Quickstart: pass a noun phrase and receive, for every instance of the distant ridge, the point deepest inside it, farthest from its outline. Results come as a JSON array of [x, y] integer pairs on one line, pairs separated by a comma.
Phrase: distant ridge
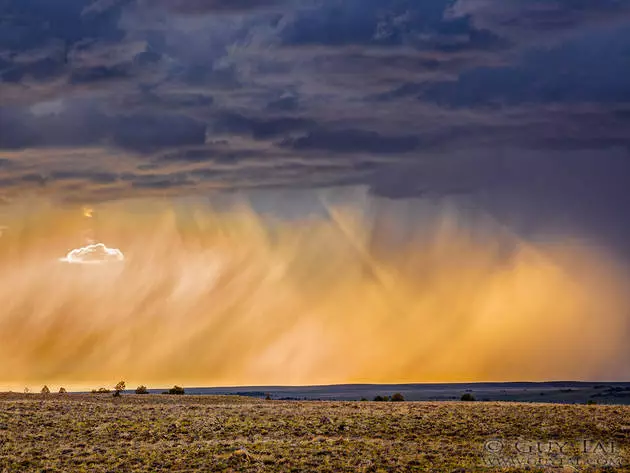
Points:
[[521, 391]]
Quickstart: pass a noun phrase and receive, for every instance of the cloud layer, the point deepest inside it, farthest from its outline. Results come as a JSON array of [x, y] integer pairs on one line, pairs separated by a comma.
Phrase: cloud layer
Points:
[[103, 99]]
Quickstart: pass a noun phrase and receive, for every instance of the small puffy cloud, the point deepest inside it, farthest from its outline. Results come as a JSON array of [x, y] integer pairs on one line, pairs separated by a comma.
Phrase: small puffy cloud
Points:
[[94, 254]]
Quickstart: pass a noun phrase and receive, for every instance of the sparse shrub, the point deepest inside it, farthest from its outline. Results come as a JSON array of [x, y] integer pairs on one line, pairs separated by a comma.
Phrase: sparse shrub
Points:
[[591, 402], [379, 398], [398, 397], [45, 390], [26, 390], [101, 391], [119, 388], [176, 390], [142, 390], [268, 397], [364, 399], [467, 397], [62, 390]]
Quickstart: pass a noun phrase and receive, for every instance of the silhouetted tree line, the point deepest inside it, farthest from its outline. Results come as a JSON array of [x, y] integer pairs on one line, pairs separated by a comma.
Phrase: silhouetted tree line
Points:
[[46, 390], [397, 397], [142, 389]]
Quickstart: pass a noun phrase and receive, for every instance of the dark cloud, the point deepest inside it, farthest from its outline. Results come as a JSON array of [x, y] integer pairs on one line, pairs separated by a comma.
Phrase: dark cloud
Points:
[[52, 49], [260, 128], [409, 97], [162, 182], [21, 129], [29, 24], [353, 141], [526, 17], [577, 193], [212, 6], [151, 132], [99, 73], [211, 153], [585, 70], [371, 22], [83, 127], [97, 177], [289, 103]]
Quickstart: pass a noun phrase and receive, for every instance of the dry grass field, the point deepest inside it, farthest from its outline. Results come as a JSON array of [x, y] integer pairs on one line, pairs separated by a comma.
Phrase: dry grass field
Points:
[[160, 433]]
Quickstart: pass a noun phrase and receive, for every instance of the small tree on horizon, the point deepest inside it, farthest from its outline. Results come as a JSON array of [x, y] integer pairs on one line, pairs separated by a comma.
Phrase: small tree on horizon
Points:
[[142, 390], [398, 397], [45, 390], [119, 388], [176, 390], [62, 390], [467, 397]]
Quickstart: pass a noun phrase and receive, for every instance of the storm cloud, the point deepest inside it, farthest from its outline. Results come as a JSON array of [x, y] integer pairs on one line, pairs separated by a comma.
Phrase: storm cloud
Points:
[[440, 97]]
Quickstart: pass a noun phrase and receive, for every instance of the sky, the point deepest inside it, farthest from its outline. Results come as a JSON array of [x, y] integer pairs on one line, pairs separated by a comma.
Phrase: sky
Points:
[[518, 109], [102, 99]]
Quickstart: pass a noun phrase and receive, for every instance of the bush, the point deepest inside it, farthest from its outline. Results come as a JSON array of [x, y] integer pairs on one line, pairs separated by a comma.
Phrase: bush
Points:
[[119, 387], [62, 391], [142, 390], [364, 399], [398, 397], [591, 402], [45, 390], [467, 397], [379, 399], [176, 390]]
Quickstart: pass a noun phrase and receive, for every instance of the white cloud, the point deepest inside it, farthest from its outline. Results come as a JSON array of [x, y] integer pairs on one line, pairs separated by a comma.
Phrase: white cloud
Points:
[[94, 254]]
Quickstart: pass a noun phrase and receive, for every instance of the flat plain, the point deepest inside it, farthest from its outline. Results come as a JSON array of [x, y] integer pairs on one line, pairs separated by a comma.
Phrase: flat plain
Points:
[[160, 433]]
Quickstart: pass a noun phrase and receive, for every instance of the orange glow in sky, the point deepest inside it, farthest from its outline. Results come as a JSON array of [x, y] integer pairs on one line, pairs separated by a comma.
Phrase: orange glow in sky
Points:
[[233, 298]]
